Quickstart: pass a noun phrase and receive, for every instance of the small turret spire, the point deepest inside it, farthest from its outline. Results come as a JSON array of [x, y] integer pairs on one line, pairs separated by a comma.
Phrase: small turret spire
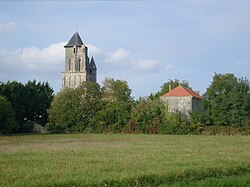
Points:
[[92, 64]]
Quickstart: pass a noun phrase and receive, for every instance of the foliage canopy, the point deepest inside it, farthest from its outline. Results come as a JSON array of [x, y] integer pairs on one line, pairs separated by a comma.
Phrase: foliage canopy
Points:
[[30, 101], [110, 108], [227, 100], [116, 90], [7, 117], [73, 109]]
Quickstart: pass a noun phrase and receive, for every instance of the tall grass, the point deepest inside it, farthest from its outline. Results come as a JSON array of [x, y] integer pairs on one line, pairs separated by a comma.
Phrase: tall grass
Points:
[[124, 160]]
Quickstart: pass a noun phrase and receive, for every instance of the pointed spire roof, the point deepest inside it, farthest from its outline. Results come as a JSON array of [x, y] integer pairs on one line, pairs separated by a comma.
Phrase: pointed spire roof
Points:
[[92, 63], [181, 91], [75, 40]]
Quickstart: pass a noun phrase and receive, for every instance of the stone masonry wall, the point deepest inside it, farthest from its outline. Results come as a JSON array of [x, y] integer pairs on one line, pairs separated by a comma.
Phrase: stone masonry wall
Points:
[[73, 79], [181, 104]]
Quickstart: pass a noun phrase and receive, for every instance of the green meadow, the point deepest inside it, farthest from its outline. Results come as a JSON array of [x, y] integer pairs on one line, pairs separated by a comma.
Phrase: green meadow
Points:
[[124, 160]]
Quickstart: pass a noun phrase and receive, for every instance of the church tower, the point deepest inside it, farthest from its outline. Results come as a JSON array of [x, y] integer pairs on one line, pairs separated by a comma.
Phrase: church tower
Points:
[[77, 66]]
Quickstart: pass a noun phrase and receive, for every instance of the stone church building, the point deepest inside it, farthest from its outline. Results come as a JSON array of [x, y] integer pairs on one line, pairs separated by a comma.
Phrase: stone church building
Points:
[[183, 100], [78, 67]]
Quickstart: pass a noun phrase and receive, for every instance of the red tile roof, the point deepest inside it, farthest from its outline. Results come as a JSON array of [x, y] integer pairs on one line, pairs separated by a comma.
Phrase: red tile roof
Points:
[[181, 91]]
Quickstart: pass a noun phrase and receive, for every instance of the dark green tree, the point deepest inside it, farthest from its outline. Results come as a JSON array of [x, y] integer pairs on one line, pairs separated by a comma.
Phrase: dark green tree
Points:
[[38, 99], [30, 101], [73, 109], [14, 92], [228, 100], [8, 123]]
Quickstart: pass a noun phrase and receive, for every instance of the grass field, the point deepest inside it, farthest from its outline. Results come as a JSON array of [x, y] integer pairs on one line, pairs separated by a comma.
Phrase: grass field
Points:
[[124, 160]]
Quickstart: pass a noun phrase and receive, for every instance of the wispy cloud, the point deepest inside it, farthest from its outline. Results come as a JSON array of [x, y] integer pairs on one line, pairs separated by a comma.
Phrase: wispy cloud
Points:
[[45, 62], [53, 54], [242, 62], [7, 27], [148, 64], [169, 67], [94, 50], [195, 50], [118, 55]]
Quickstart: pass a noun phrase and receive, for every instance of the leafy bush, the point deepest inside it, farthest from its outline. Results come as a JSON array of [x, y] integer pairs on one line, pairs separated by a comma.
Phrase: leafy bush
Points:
[[112, 118], [226, 130], [146, 116], [178, 123]]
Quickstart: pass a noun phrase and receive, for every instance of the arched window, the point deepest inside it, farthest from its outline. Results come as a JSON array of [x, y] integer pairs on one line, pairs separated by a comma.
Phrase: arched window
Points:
[[70, 65], [79, 64]]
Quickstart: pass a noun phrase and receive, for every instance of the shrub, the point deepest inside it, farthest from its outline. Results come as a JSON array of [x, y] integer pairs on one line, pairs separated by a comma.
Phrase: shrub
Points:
[[146, 116]]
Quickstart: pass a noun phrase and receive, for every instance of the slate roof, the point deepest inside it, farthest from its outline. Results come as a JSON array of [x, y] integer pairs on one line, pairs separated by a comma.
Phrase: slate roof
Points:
[[75, 40], [181, 91], [92, 63]]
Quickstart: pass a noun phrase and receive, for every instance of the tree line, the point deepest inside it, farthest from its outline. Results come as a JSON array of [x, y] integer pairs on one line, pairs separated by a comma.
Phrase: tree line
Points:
[[21, 104], [110, 108]]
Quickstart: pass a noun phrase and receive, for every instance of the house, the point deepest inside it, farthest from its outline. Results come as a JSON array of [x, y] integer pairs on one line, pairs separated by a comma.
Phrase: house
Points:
[[182, 99]]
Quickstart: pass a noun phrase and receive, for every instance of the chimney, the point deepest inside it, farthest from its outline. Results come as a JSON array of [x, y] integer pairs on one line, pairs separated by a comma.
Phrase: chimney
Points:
[[169, 88]]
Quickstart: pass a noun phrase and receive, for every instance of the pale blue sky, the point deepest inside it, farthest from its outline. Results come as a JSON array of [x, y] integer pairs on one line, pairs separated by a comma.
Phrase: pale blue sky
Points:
[[145, 43]]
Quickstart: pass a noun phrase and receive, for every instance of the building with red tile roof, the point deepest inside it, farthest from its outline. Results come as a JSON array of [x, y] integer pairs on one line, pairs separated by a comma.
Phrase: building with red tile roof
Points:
[[182, 99]]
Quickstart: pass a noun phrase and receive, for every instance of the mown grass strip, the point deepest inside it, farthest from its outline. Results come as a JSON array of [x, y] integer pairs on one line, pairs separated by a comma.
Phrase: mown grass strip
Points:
[[187, 176], [123, 160]]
